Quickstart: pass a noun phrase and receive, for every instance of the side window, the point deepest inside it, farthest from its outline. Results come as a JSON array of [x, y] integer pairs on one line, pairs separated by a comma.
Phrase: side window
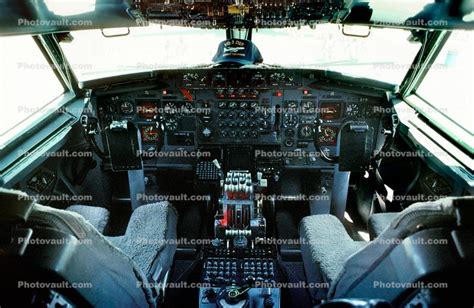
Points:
[[449, 84], [28, 86]]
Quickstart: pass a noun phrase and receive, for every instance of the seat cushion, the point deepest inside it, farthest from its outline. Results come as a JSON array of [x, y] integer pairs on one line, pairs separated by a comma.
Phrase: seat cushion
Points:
[[151, 231], [96, 216], [96, 261], [376, 263], [379, 222], [325, 245]]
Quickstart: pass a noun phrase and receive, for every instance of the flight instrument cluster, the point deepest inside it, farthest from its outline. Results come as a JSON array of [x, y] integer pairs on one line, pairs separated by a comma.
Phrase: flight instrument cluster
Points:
[[293, 111]]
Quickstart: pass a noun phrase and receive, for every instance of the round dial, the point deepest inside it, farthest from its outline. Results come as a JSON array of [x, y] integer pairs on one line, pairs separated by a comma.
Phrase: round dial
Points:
[[289, 142], [171, 108], [352, 110], [290, 132], [171, 124], [126, 107], [150, 133], [187, 109], [290, 120], [194, 78], [276, 78], [190, 77], [292, 105], [306, 131], [147, 110], [308, 107], [328, 135]]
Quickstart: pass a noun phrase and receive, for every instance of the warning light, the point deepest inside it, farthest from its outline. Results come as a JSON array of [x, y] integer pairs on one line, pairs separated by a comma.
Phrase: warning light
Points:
[[306, 92], [278, 94]]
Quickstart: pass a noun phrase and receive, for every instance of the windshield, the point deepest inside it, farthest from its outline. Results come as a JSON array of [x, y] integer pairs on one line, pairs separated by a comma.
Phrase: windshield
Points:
[[385, 55]]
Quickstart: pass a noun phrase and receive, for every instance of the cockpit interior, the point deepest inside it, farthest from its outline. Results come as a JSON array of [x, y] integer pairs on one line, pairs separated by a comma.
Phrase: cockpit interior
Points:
[[236, 154]]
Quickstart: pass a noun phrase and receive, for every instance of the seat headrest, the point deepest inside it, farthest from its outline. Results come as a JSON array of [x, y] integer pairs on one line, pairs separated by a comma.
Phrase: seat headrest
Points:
[[433, 214], [15, 206]]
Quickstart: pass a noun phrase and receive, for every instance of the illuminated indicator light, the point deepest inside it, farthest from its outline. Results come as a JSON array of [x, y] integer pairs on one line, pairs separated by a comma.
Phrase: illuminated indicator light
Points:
[[306, 92], [224, 220], [279, 94], [165, 92], [187, 94]]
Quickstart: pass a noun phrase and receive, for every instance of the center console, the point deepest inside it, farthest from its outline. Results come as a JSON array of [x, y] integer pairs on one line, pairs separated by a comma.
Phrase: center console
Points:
[[240, 271]]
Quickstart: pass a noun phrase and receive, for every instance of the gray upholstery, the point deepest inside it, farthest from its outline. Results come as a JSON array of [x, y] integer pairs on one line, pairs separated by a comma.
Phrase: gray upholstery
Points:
[[146, 235], [418, 216], [325, 246], [350, 268], [96, 216], [119, 268], [379, 222]]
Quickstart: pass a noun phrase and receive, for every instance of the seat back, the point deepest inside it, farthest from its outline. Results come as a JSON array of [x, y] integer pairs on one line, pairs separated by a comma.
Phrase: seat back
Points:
[[49, 255], [428, 242]]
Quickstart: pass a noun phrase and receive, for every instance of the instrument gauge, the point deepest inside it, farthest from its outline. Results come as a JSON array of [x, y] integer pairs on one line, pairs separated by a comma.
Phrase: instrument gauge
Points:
[[190, 77], [147, 110], [150, 133], [290, 132], [328, 135], [187, 109], [276, 78], [330, 110], [292, 105], [171, 124], [306, 131], [194, 78], [353, 110], [171, 108], [308, 107], [290, 120], [126, 107]]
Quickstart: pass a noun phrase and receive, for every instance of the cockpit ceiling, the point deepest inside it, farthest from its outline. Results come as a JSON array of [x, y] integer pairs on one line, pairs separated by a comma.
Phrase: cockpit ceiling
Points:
[[42, 16]]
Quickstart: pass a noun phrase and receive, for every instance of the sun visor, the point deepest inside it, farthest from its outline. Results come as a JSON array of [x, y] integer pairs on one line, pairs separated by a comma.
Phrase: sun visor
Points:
[[49, 16]]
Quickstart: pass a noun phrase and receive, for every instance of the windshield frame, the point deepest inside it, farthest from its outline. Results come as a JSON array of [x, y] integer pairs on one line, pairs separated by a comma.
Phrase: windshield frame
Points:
[[330, 66]]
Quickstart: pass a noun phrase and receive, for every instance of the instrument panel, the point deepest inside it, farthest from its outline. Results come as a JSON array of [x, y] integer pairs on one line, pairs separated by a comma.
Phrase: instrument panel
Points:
[[290, 110]]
